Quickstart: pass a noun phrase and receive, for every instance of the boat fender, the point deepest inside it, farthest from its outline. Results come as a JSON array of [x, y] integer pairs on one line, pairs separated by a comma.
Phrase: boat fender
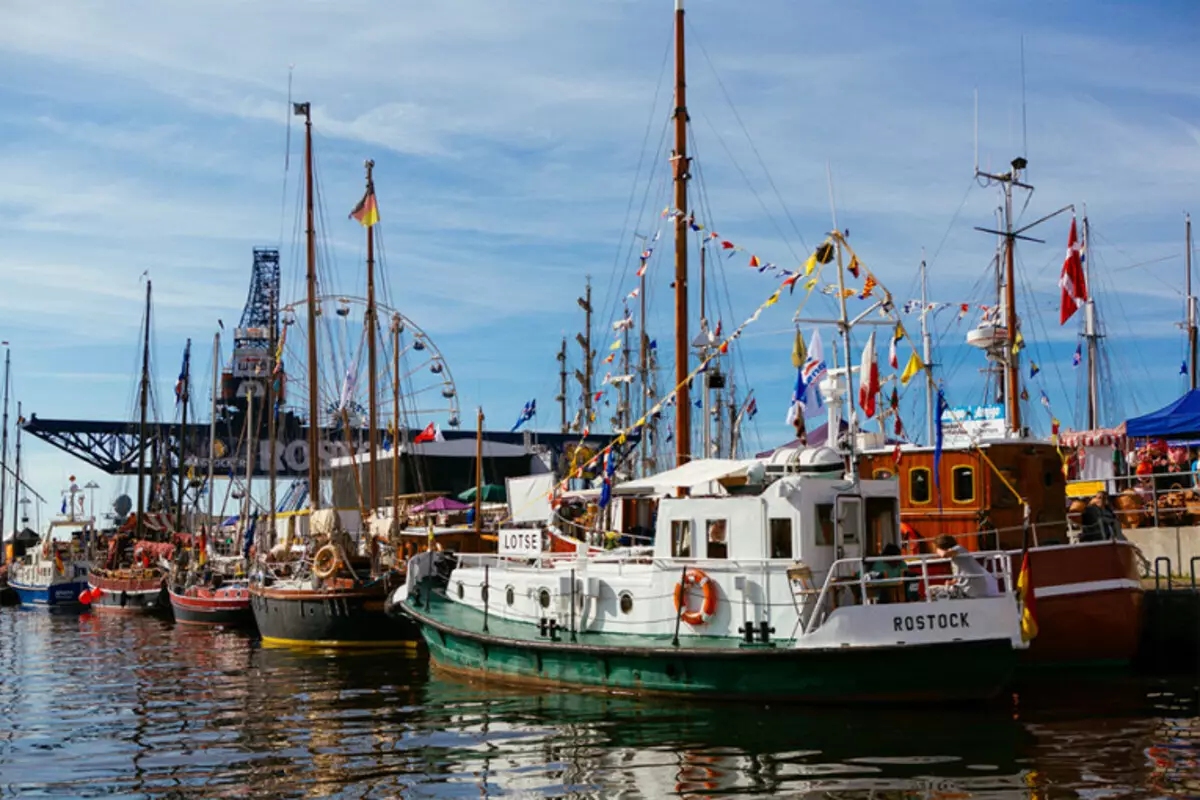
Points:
[[696, 577], [326, 562]]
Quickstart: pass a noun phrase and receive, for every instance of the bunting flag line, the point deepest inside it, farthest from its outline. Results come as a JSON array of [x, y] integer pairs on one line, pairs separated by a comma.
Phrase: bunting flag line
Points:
[[913, 366], [1033, 370], [868, 375], [868, 287], [893, 359], [527, 413], [1078, 357]]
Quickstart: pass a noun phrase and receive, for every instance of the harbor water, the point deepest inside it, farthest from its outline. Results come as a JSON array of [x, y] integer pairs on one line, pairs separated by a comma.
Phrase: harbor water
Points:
[[110, 706]]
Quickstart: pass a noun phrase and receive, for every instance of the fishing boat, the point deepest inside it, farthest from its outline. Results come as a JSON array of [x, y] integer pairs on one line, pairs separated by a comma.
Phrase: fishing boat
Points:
[[54, 572], [992, 475], [332, 593], [129, 576], [766, 579]]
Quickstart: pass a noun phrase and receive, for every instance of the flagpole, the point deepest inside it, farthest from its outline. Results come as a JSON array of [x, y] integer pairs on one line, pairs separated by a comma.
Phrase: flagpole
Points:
[[927, 353], [212, 430], [4, 449], [314, 455], [1191, 310]]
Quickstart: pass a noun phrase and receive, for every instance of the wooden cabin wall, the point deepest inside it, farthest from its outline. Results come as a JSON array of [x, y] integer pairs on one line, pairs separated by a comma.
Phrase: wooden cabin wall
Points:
[[987, 516]]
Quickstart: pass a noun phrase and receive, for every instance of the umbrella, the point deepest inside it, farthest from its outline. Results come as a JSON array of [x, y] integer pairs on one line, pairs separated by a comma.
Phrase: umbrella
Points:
[[491, 494], [440, 504]]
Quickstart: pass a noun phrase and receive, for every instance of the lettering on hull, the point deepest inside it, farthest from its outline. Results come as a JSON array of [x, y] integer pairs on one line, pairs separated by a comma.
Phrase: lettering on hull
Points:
[[931, 622]]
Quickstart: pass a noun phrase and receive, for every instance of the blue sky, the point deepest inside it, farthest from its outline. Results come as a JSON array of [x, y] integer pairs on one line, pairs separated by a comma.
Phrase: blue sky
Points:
[[507, 138]]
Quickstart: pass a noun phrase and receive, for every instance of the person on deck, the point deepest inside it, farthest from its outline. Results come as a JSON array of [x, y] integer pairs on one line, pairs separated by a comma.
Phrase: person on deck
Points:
[[970, 578]]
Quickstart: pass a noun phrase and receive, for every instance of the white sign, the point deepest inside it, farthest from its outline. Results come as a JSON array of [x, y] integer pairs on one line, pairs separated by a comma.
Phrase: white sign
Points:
[[963, 425], [520, 542]]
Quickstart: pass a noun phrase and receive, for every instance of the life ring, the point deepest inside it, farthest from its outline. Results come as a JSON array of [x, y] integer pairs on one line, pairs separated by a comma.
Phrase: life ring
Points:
[[326, 562], [696, 577]]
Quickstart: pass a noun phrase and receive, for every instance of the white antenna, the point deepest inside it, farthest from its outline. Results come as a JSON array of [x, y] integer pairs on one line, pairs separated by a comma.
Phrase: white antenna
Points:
[[1024, 130], [832, 201]]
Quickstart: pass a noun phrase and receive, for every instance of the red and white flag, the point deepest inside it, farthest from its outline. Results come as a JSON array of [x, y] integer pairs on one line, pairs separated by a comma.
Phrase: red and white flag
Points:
[[430, 434], [868, 375], [1072, 281]]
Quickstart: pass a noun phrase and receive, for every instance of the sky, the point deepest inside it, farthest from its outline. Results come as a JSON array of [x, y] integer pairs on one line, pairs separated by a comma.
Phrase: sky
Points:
[[519, 150]]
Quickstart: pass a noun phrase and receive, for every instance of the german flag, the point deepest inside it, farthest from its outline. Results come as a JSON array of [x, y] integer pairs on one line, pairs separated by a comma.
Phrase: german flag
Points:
[[58, 563], [1029, 626], [367, 210]]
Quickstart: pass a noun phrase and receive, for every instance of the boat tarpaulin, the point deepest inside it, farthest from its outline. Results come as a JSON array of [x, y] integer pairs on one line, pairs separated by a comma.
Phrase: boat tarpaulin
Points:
[[690, 475], [1179, 419], [529, 497], [1098, 437]]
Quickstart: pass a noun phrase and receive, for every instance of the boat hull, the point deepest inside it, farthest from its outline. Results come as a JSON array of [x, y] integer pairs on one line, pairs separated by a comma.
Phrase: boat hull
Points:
[[228, 606], [56, 595], [133, 594], [1089, 604], [980, 671], [329, 618]]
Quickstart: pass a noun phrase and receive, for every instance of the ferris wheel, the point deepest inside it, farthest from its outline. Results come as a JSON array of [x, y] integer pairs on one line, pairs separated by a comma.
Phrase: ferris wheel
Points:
[[426, 392]]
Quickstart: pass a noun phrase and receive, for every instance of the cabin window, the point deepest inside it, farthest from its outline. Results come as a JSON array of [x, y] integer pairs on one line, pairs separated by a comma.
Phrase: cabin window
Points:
[[681, 538], [963, 479], [718, 538], [882, 474], [781, 537], [824, 529], [918, 486]]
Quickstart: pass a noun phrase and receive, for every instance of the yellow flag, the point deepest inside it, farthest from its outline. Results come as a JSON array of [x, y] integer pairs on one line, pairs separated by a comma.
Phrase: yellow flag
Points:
[[812, 284], [799, 351], [771, 300], [615, 345], [913, 366], [810, 264], [1018, 343]]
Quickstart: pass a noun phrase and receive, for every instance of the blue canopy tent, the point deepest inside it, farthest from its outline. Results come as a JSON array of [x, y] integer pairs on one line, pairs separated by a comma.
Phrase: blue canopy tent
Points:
[[1179, 420]]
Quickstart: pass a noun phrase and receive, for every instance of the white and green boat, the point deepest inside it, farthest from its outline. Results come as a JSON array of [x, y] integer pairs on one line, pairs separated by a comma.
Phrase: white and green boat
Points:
[[757, 590]]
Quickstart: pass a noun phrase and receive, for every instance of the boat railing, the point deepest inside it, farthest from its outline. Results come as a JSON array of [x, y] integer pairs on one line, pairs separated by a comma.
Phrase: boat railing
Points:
[[922, 579]]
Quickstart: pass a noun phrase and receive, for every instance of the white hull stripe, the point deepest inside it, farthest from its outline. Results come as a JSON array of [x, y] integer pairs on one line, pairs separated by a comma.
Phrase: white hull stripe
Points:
[[1087, 587]]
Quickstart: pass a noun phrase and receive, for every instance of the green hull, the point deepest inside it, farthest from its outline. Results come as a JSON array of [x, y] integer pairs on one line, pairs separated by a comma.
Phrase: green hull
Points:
[[708, 667]]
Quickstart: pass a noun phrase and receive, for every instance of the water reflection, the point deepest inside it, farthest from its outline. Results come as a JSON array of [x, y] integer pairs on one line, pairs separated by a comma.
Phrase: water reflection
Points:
[[106, 705]]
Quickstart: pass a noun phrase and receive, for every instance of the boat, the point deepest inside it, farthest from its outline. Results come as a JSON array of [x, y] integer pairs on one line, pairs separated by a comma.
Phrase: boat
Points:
[[332, 592], [129, 576], [54, 572], [205, 588], [1088, 594], [765, 579]]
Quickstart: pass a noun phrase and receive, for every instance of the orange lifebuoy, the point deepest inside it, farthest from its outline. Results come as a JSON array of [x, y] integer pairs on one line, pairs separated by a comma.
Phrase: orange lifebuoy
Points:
[[696, 577], [911, 539]]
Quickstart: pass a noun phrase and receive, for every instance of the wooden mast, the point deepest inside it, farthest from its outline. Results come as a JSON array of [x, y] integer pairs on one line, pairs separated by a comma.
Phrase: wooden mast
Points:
[[562, 384], [212, 434], [1013, 363], [479, 473], [1092, 335], [185, 391], [17, 483], [314, 456], [143, 403], [643, 375], [683, 403], [369, 321], [396, 423], [275, 374]]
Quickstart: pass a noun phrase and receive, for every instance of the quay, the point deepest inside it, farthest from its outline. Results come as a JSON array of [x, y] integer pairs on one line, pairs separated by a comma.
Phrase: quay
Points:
[[1171, 630]]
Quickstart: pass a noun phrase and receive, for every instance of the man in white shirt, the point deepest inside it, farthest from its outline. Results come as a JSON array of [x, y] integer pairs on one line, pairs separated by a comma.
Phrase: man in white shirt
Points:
[[969, 575]]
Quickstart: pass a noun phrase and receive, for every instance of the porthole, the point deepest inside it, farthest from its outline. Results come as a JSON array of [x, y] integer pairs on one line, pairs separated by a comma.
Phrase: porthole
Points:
[[625, 601], [544, 598], [510, 595], [460, 590]]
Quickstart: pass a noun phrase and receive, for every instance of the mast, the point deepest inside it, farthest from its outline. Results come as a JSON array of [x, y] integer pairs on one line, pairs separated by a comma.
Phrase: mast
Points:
[[624, 408], [479, 472], [1091, 334], [272, 411], [212, 426], [927, 354], [1191, 310], [4, 448], [396, 421], [683, 404], [310, 233], [17, 481], [251, 399], [585, 342], [844, 329], [705, 392], [185, 392], [143, 403], [643, 372], [562, 383], [372, 402]]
